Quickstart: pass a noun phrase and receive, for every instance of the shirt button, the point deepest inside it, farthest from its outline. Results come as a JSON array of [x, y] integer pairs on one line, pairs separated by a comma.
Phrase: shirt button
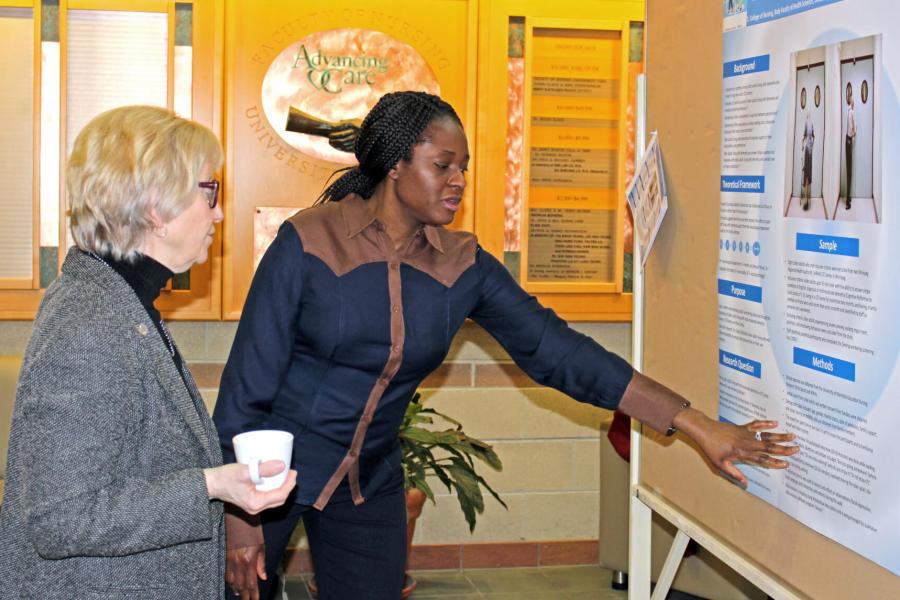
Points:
[[396, 349], [395, 308], [141, 329], [394, 266]]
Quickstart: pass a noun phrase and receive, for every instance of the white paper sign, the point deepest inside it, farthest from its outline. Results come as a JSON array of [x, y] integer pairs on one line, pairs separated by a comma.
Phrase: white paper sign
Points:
[[648, 198]]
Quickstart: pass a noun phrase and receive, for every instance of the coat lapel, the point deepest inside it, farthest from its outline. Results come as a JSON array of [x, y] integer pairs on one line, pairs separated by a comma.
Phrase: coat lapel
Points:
[[185, 398]]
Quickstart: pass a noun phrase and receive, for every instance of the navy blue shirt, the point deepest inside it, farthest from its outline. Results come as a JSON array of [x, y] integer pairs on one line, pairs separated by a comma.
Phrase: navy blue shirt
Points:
[[339, 329]]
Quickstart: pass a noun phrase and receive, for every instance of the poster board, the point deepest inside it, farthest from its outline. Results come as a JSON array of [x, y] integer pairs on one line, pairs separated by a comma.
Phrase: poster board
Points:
[[681, 313]]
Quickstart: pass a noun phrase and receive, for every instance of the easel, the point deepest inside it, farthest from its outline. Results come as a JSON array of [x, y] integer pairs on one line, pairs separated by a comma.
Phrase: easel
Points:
[[643, 501]]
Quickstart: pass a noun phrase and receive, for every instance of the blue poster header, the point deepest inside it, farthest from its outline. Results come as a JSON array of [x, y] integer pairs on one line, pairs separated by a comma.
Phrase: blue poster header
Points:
[[743, 291], [828, 244], [760, 11], [746, 66], [739, 363], [743, 183], [825, 364]]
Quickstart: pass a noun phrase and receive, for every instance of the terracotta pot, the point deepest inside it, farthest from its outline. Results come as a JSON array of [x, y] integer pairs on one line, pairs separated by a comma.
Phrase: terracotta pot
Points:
[[415, 502]]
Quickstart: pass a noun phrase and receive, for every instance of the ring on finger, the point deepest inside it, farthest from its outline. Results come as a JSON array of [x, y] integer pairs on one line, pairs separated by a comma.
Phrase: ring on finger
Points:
[[758, 436]]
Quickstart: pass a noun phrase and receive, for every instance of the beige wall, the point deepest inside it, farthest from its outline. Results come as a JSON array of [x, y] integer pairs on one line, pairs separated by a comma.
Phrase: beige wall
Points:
[[549, 444]]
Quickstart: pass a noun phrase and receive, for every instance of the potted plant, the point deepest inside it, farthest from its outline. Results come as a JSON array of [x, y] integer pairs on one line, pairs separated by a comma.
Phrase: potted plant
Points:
[[447, 454]]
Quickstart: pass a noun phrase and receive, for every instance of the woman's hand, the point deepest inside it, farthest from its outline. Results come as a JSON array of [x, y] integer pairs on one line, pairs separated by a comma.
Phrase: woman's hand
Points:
[[343, 136], [242, 567], [725, 444], [231, 483]]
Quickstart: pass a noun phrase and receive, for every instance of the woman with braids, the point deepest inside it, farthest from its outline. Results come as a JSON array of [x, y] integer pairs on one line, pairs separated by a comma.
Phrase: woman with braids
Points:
[[353, 305]]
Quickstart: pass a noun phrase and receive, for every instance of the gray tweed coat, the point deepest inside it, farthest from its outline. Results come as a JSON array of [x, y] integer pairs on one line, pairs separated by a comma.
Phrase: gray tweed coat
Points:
[[105, 497]]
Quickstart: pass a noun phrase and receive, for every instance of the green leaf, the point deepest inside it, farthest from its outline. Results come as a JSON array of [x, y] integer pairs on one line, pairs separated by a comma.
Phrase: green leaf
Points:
[[423, 485], [424, 436], [447, 454], [467, 493]]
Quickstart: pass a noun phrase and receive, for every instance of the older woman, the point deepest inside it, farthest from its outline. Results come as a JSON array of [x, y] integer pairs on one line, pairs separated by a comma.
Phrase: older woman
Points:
[[115, 480], [353, 305]]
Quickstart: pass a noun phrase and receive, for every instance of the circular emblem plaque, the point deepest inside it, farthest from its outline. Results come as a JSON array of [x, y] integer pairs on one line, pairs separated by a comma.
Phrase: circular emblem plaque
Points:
[[328, 81]]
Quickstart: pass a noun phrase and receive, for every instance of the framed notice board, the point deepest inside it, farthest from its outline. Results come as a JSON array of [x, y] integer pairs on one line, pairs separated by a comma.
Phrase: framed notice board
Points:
[[556, 108], [574, 91]]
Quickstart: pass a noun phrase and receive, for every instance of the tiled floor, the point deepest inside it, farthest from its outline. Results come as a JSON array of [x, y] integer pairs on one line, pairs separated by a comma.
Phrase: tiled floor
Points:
[[550, 583]]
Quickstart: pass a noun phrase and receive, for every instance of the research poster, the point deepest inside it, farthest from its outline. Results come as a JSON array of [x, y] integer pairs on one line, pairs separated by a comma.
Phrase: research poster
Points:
[[809, 274]]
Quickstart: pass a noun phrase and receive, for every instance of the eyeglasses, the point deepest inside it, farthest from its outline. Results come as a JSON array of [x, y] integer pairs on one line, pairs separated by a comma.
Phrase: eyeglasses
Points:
[[211, 190]]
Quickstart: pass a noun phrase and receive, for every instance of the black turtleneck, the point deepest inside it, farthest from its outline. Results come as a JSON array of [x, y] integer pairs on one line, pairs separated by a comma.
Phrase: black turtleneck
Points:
[[147, 278]]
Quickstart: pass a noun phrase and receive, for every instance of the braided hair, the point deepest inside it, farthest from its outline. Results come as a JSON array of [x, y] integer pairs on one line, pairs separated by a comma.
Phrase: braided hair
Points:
[[387, 136]]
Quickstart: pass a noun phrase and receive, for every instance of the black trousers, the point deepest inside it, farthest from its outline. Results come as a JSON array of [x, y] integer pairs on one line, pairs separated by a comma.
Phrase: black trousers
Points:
[[848, 154], [359, 552], [807, 174]]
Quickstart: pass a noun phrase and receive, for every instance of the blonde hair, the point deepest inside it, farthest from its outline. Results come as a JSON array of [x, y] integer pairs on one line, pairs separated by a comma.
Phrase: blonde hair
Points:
[[127, 160]]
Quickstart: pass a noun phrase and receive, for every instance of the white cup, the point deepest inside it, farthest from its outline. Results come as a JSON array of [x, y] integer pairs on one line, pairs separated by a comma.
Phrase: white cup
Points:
[[254, 447]]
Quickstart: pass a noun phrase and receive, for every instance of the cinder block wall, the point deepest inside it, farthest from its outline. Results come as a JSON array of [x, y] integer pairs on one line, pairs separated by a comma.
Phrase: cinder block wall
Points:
[[549, 445]]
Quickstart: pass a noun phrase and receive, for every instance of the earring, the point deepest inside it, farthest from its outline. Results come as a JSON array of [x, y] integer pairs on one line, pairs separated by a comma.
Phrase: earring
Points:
[[161, 232]]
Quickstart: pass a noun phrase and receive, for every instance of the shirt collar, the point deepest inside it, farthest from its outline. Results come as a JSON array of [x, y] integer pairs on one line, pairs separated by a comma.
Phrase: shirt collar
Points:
[[359, 213], [433, 237]]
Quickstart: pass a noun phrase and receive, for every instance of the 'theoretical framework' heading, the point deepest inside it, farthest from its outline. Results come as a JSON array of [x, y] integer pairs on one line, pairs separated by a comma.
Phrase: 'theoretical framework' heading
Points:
[[743, 183]]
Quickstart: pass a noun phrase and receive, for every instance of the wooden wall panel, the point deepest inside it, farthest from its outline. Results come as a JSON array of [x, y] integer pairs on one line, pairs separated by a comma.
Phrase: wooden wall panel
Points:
[[265, 171]]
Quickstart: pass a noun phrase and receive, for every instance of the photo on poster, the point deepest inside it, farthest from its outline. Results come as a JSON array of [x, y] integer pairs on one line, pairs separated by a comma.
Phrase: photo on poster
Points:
[[735, 14], [808, 135], [859, 98], [832, 133], [733, 7]]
